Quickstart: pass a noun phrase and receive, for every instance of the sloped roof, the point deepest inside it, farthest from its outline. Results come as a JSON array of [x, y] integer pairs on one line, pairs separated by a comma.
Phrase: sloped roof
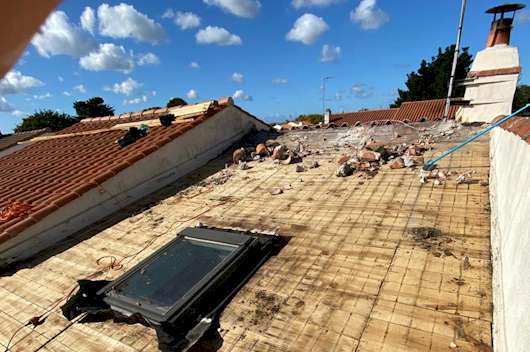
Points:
[[412, 111], [10, 140], [48, 174], [430, 110], [352, 118]]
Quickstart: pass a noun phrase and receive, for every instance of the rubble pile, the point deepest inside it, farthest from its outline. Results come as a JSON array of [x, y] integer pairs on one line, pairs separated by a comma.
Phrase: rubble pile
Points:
[[279, 153], [374, 155]]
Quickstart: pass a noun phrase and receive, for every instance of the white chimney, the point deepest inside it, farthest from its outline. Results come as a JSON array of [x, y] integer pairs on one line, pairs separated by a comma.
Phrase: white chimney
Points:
[[327, 116], [492, 81]]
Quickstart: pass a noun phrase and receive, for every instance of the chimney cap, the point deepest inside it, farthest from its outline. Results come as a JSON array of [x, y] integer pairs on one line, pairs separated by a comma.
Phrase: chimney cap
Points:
[[506, 8]]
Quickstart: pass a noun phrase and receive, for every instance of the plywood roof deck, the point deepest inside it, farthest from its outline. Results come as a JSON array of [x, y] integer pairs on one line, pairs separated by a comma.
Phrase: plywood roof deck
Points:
[[351, 278]]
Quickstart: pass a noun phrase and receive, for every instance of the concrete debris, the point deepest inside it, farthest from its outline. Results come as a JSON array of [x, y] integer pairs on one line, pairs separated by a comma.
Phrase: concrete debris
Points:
[[261, 150], [299, 168], [276, 191], [243, 165], [408, 161], [466, 178], [396, 163], [343, 159], [369, 155], [280, 152], [453, 345], [238, 155], [344, 170]]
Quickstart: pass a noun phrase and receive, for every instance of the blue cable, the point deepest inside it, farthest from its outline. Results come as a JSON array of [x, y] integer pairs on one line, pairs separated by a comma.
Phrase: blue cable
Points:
[[429, 165]]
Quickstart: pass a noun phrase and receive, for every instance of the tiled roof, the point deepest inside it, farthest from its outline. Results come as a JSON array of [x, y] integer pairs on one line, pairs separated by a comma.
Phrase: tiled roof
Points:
[[351, 118], [520, 126], [412, 111], [48, 174], [12, 139], [415, 111]]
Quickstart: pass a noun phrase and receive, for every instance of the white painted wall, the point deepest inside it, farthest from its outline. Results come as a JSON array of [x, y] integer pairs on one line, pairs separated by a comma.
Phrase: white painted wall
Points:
[[174, 160], [491, 97], [510, 240]]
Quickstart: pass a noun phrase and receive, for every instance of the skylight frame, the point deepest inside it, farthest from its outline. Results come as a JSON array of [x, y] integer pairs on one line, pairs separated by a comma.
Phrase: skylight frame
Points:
[[242, 244]]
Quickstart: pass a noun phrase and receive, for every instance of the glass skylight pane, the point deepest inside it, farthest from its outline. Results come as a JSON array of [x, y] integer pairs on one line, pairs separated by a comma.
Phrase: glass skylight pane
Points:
[[172, 274]]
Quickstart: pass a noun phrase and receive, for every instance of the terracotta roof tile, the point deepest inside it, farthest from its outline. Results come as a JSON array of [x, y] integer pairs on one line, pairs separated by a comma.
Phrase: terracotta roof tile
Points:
[[429, 110], [352, 118], [412, 111], [50, 173]]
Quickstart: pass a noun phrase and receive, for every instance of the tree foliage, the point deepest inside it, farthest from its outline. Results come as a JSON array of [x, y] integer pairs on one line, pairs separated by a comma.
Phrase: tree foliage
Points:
[[431, 80], [45, 119], [522, 97], [311, 118], [176, 102], [93, 107]]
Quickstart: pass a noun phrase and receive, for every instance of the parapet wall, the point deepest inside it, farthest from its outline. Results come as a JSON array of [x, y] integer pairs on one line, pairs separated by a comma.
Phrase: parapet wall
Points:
[[510, 237]]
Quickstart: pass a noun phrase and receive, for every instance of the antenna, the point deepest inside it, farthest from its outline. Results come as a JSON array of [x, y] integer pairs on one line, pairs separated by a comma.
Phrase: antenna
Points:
[[324, 80], [455, 59]]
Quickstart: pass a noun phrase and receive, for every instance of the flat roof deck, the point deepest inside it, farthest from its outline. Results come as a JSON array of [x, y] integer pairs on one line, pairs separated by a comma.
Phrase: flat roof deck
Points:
[[351, 278]]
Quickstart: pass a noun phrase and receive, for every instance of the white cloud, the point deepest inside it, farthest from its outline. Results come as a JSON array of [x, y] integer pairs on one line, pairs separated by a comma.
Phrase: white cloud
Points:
[[17, 113], [368, 15], [187, 20], [43, 96], [5, 106], [307, 29], [195, 65], [297, 4], [241, 8], [68, 94], [240, 94], [237, 77], [360, 91], [60, 78], [192, 94], [58, 37], [280, 81], [330, 53], [124, 21], [127, 87], [88, 20], [108, 57], [80, 88], [138, 100], [148, 59], [217, 35], [169, 13], [15, 82]]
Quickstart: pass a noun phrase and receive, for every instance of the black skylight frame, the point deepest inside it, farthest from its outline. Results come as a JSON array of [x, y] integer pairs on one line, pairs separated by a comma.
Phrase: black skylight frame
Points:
[[209, 294]]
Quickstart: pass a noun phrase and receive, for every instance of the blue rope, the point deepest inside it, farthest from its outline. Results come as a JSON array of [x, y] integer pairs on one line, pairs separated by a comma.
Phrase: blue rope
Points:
[[429, 165]]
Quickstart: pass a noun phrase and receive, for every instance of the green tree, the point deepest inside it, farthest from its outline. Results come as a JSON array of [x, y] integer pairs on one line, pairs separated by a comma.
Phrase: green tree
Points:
[[176, 102], [93, 107], [311, 118], [521, 98], [431, 80], [45, 119]]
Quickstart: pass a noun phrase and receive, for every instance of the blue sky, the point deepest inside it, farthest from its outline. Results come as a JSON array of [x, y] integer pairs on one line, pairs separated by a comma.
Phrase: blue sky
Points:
[[269, 55]]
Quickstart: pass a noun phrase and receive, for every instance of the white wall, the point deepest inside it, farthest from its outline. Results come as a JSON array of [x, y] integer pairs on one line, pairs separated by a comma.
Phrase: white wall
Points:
[[492, 96], [174, 160], [510, 239]]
